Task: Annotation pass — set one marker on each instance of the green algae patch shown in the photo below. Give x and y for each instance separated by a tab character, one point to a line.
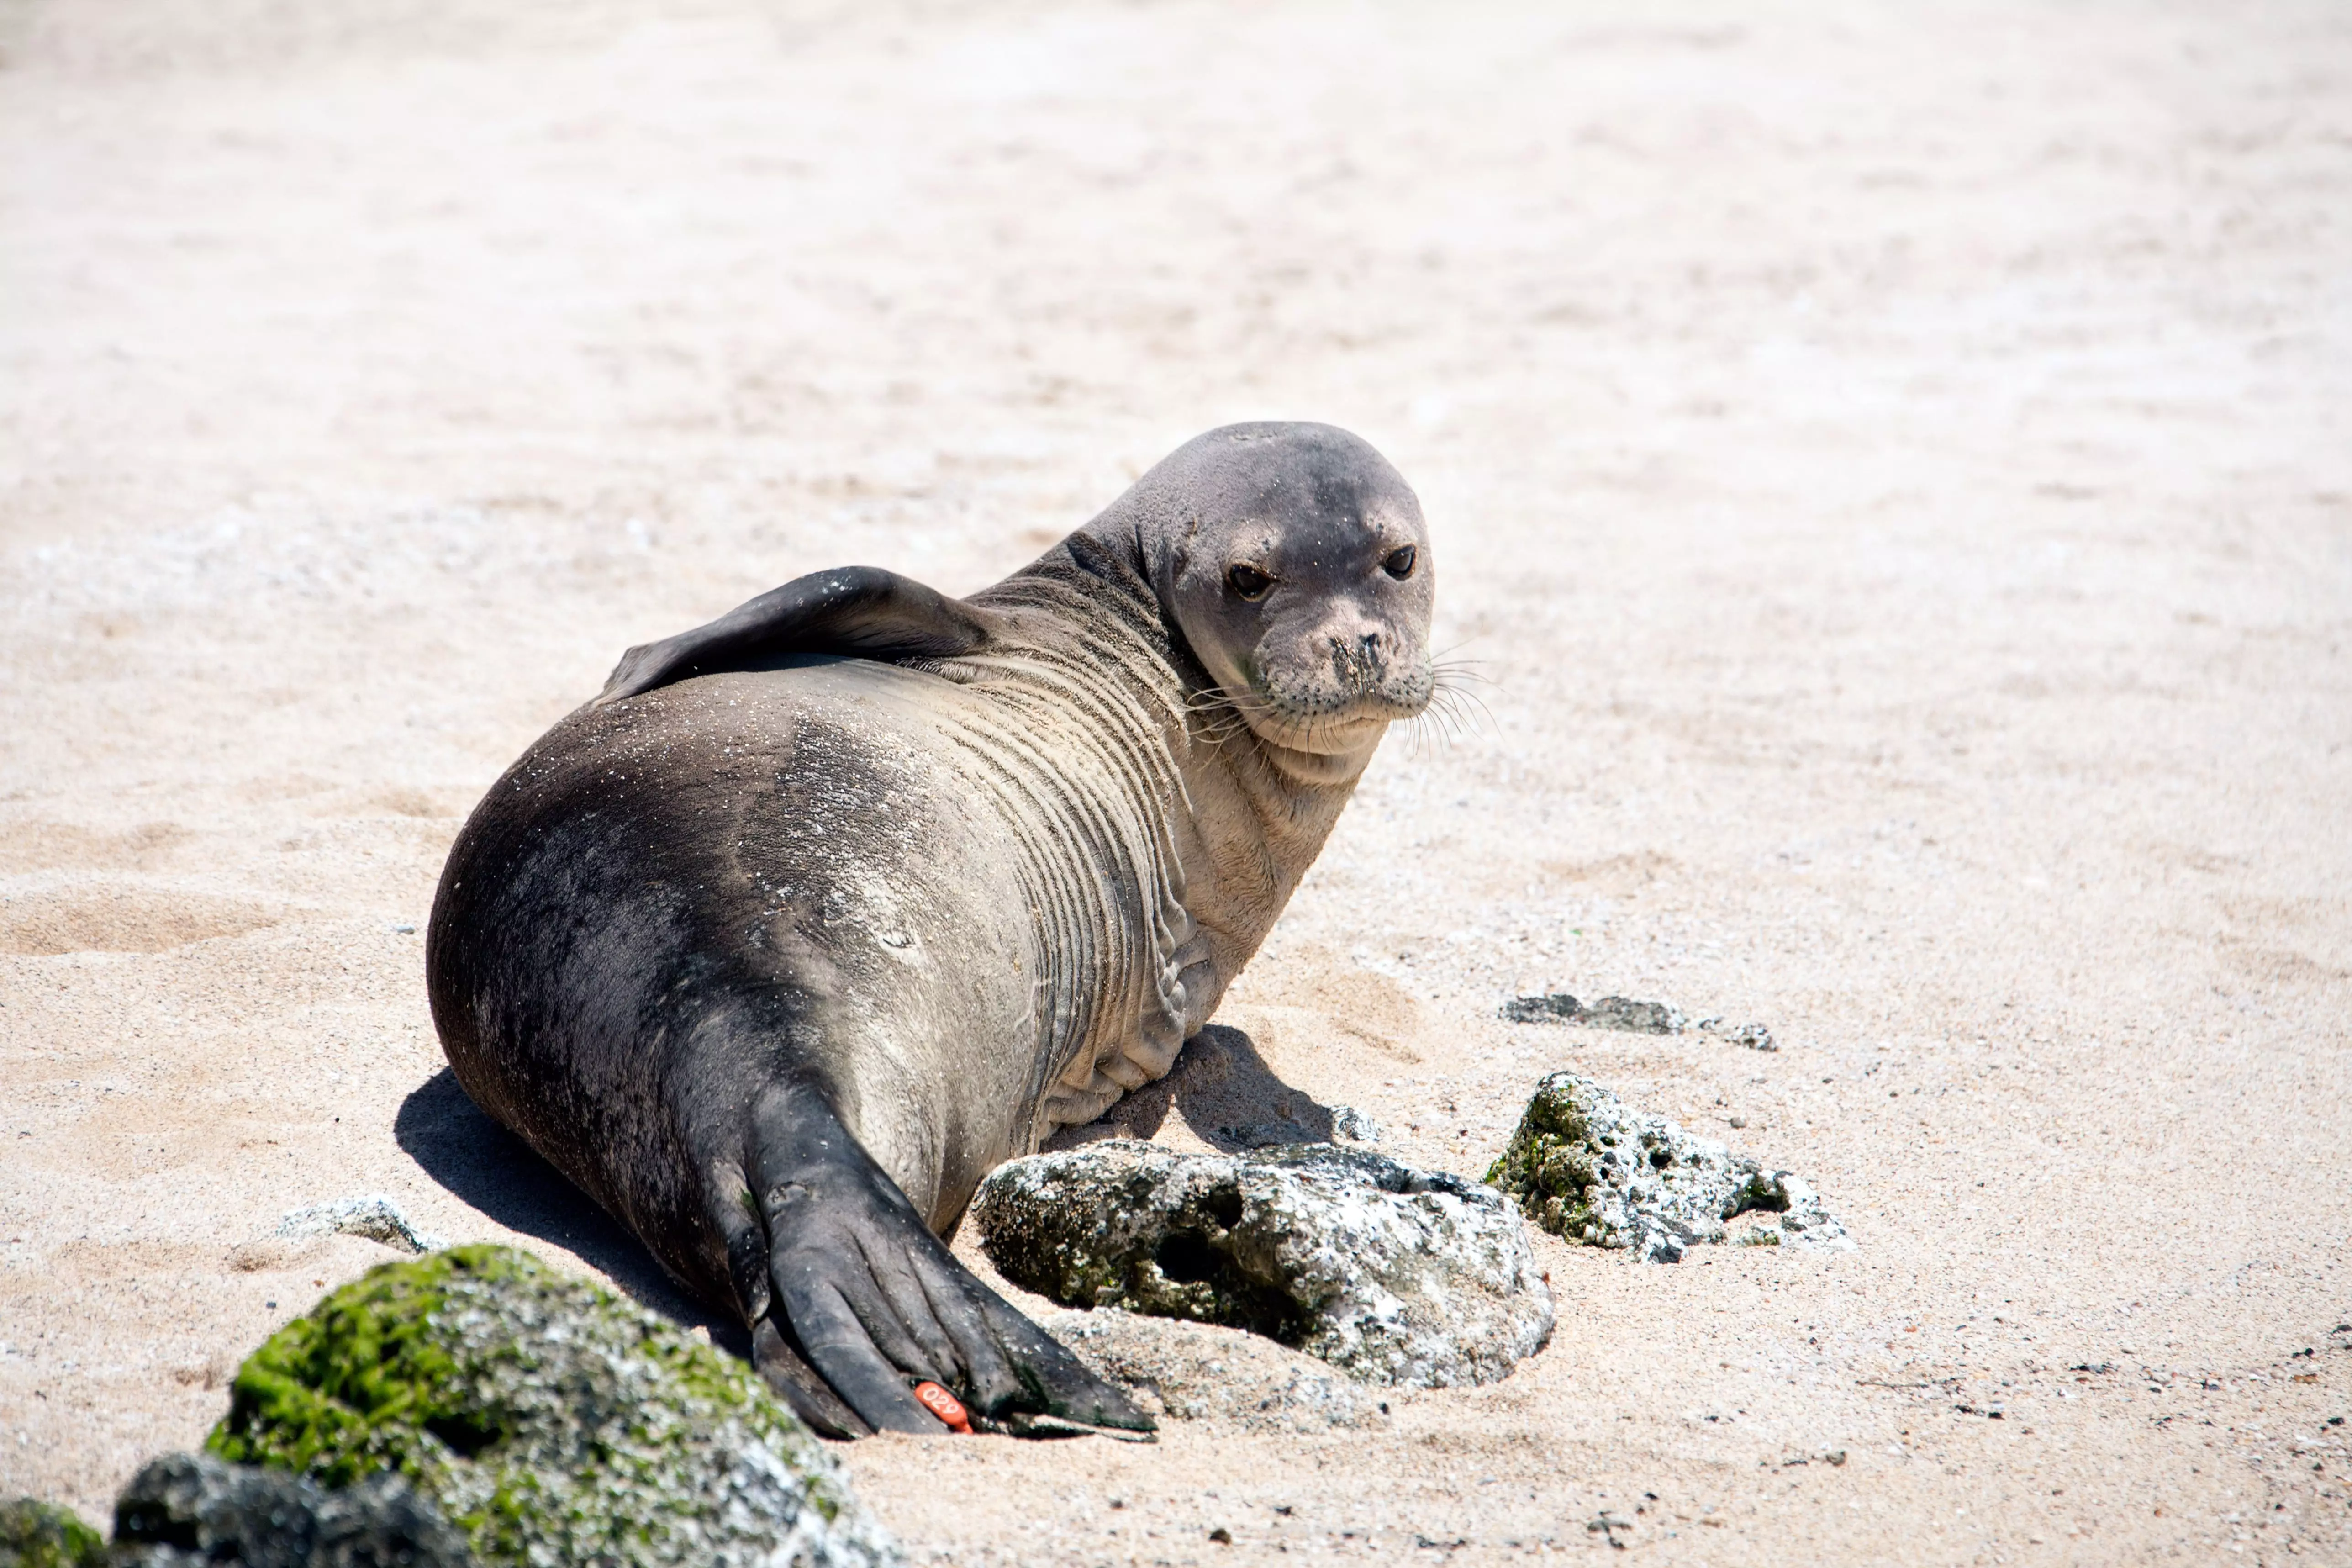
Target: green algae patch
363	1382
35	1534
1550	1165
546	1418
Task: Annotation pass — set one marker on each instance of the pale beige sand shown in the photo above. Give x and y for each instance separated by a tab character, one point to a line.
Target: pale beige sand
1892	469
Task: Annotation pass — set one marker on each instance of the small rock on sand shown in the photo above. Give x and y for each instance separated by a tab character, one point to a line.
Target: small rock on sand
1755	1036
375	1218
1591	1169
1630	1016
1609	1013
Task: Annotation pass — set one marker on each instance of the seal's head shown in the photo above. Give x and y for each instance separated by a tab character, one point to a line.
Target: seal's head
1294	561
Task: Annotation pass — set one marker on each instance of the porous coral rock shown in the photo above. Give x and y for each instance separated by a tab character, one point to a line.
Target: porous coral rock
1591	1169
1414	1278
549	1421
1194	1371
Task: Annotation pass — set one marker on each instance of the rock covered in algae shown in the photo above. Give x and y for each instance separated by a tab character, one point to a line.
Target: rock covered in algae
1414	1278
549	1421
1591	1169
192	1510
36	1534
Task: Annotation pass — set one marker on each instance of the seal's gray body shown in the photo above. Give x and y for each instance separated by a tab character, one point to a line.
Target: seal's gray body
959	897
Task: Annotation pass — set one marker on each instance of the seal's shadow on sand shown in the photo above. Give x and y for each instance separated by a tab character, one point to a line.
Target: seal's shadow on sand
1220	1087
1224	1093
494	1171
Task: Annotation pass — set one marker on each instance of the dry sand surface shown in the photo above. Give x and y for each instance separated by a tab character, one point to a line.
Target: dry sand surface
1892	467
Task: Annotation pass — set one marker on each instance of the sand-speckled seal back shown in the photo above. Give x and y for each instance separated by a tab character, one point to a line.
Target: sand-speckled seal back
821	911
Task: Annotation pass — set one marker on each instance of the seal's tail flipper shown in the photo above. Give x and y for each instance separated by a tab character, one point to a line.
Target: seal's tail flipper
862	1303
862	612
787	1372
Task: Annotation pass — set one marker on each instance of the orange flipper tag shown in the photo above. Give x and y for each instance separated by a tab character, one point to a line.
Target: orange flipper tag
945	1405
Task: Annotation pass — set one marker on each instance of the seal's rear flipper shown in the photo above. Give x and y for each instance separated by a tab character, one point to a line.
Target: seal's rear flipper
797	1384
874	1304
860	611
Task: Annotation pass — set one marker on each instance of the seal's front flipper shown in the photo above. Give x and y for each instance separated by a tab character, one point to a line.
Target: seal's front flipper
874	1303
860	611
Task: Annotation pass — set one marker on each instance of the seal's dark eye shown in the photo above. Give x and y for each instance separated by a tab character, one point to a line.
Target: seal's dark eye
1249	582
1400	561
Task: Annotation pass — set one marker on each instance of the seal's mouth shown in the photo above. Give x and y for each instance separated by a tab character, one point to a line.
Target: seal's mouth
1330	731
1340	710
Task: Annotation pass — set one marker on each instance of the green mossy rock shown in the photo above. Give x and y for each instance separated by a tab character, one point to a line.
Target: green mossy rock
548	1420
34	1534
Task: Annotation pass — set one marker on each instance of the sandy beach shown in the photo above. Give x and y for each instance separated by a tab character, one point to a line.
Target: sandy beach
1890	467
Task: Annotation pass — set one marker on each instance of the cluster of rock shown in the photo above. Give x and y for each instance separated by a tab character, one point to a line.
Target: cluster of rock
474	1406
1633	1017
1411	1278
1591	1169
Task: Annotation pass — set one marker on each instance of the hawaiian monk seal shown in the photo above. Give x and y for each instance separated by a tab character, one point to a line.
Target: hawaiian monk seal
824	909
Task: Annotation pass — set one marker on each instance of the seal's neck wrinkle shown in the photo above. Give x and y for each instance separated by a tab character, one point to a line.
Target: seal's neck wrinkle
1073	739
1157	840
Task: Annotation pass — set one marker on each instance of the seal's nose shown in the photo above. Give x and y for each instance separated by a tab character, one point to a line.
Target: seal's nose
1361	663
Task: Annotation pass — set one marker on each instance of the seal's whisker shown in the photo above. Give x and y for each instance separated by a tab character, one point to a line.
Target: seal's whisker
1416	734
1474	710
1217	713
1457	711
1455	672
1452	715
1221	724
1429	732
